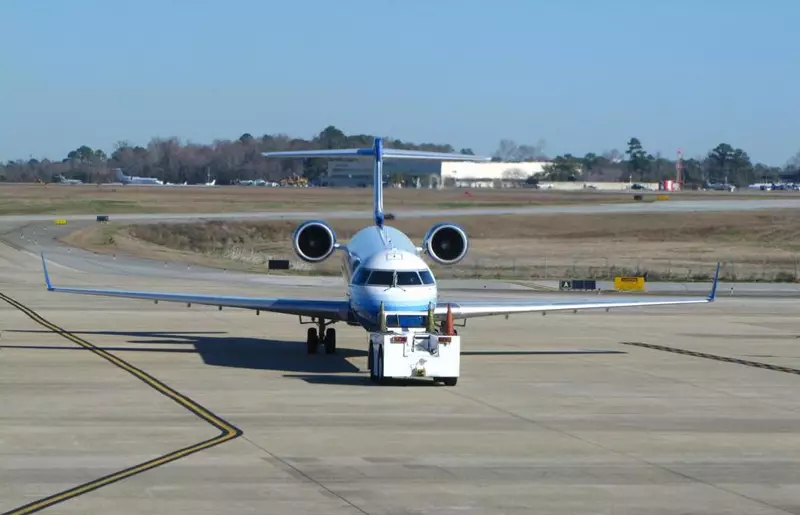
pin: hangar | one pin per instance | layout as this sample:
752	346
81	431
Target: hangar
433	174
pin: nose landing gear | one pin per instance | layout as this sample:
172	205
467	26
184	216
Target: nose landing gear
328	339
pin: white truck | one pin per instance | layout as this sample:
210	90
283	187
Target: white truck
396	352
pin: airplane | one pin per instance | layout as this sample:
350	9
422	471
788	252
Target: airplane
719	186
60	179
127	179
384	271
251	182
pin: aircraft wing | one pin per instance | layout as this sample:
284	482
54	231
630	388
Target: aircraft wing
329	309
472	309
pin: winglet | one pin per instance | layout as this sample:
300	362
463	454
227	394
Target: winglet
713	294
46	275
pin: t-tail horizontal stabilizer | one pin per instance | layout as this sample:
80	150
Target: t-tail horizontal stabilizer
369	153
377	154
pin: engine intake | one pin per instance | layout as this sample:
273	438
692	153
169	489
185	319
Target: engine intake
446	243
314	241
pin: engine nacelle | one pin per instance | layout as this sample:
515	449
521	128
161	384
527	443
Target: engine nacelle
446	243
314	241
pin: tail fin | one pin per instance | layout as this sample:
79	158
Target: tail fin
377	182
377	153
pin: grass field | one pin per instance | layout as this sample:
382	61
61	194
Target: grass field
87	199
678	246
59	199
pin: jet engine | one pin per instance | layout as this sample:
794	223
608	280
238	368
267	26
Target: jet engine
314	241
446	243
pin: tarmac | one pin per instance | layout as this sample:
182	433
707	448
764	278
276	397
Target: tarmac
672	206
122	406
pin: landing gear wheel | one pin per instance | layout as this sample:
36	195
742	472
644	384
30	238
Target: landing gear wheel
312	340
330	341
370	367
449	381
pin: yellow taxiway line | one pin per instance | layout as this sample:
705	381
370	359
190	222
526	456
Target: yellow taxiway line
227	430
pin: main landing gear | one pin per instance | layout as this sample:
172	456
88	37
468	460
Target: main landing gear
328	338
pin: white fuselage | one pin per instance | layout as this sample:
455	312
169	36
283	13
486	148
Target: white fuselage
382	265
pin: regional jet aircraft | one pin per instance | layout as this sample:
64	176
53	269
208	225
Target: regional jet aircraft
387	279
127	179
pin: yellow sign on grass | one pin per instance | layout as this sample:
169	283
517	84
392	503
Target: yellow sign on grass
623	283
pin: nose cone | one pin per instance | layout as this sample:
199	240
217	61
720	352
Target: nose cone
398	299
396	282
401	298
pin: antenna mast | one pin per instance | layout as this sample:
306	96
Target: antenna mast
679	169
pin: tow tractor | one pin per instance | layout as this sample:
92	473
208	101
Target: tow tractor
406	352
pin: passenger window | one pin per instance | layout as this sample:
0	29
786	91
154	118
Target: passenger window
408	279
361	277
381	278
427	277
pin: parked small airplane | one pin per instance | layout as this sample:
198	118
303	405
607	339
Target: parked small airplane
127	179
60	179
383	269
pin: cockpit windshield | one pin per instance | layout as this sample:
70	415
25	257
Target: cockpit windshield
408	279
381	278
365	276
427	277
362	274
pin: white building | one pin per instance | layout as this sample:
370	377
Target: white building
488	175
433	174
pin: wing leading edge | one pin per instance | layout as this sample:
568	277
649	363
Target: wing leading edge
472	309
329	309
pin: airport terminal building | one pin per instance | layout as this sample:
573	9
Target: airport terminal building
433	174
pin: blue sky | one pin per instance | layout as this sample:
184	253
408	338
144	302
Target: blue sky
582	75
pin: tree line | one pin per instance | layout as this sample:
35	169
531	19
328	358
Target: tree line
230	160
723	164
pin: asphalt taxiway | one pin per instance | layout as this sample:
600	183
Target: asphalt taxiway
36	238
553	415
672	206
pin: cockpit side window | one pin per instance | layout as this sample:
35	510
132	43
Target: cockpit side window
427	277
381	278
408	279
360	278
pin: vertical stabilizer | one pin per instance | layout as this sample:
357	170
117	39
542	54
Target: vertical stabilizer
377	182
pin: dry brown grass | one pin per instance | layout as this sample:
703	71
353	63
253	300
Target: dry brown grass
754	245
93	199
107	199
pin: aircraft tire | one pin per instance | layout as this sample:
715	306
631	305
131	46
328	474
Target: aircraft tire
330	341
312	340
